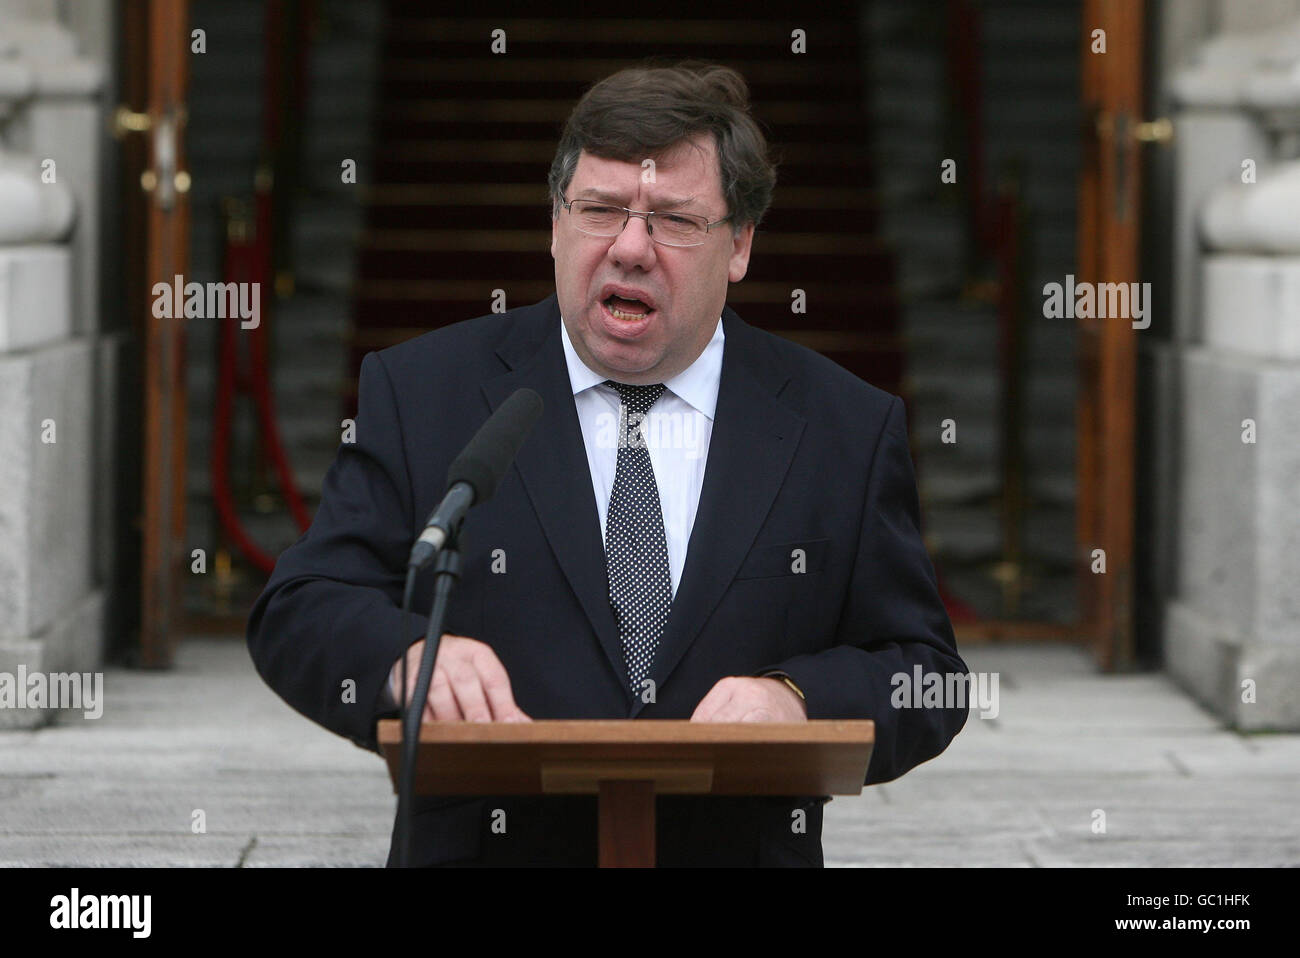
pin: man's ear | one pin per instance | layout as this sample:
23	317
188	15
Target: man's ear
741	245
555	226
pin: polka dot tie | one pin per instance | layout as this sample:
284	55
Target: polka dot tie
640	590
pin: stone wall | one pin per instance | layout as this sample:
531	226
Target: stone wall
1230	369
56	369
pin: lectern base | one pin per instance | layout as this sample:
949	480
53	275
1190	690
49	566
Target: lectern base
627	824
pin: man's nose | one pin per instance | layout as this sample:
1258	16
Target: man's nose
633	246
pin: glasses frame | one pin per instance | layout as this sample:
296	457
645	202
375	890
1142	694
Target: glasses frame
645	215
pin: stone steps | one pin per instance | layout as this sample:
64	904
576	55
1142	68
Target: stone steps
311	328
1030	78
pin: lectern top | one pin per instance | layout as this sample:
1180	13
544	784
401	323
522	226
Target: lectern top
821	757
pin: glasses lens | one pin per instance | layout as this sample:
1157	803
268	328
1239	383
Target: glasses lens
677	229
597	219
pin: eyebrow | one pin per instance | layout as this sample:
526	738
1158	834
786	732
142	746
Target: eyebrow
668	202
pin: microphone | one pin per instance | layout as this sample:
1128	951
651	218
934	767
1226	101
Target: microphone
475	474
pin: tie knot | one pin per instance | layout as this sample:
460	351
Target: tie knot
637	399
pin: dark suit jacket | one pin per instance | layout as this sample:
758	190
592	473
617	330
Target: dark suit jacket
803	455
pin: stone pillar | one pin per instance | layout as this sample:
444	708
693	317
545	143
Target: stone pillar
51	464
1232	630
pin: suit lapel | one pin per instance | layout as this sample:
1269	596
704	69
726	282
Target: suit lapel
750	450
553	466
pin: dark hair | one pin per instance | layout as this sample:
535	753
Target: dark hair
645	111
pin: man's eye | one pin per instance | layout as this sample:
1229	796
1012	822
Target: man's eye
598	209
679	220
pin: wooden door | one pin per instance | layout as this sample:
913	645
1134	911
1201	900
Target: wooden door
151	120
1109	195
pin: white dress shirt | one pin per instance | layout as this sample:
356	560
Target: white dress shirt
676	432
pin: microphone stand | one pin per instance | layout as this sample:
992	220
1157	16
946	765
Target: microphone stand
446	571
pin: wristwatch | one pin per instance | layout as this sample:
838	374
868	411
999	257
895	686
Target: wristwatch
787	680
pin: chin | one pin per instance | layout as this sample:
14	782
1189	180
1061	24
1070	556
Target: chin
627	361
625	358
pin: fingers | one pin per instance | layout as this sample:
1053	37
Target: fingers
737	709
442	699
469	684
745	699
745	713
718	697
496	686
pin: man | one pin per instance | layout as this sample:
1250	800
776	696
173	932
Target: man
764	565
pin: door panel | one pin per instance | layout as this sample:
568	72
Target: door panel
156	50
1109	195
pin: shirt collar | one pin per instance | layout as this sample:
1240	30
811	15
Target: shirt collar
697	384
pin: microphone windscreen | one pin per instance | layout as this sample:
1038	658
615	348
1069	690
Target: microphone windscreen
486	458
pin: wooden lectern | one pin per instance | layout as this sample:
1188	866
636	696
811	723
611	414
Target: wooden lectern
627	762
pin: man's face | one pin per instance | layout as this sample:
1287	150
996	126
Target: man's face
685	287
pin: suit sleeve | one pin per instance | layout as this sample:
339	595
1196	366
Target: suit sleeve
892	621
326	630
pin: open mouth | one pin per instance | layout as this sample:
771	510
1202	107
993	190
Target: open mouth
629	310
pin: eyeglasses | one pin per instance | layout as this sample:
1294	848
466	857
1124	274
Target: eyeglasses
668	229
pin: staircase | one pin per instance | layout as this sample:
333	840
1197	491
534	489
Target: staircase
310	326
1028	60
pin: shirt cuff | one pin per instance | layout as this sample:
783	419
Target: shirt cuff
387	704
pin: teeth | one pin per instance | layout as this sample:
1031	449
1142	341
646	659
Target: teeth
614	310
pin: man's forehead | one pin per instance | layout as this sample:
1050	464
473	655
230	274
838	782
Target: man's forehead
687	175
660	200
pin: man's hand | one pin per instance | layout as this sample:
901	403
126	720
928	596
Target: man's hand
469	683
740	699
